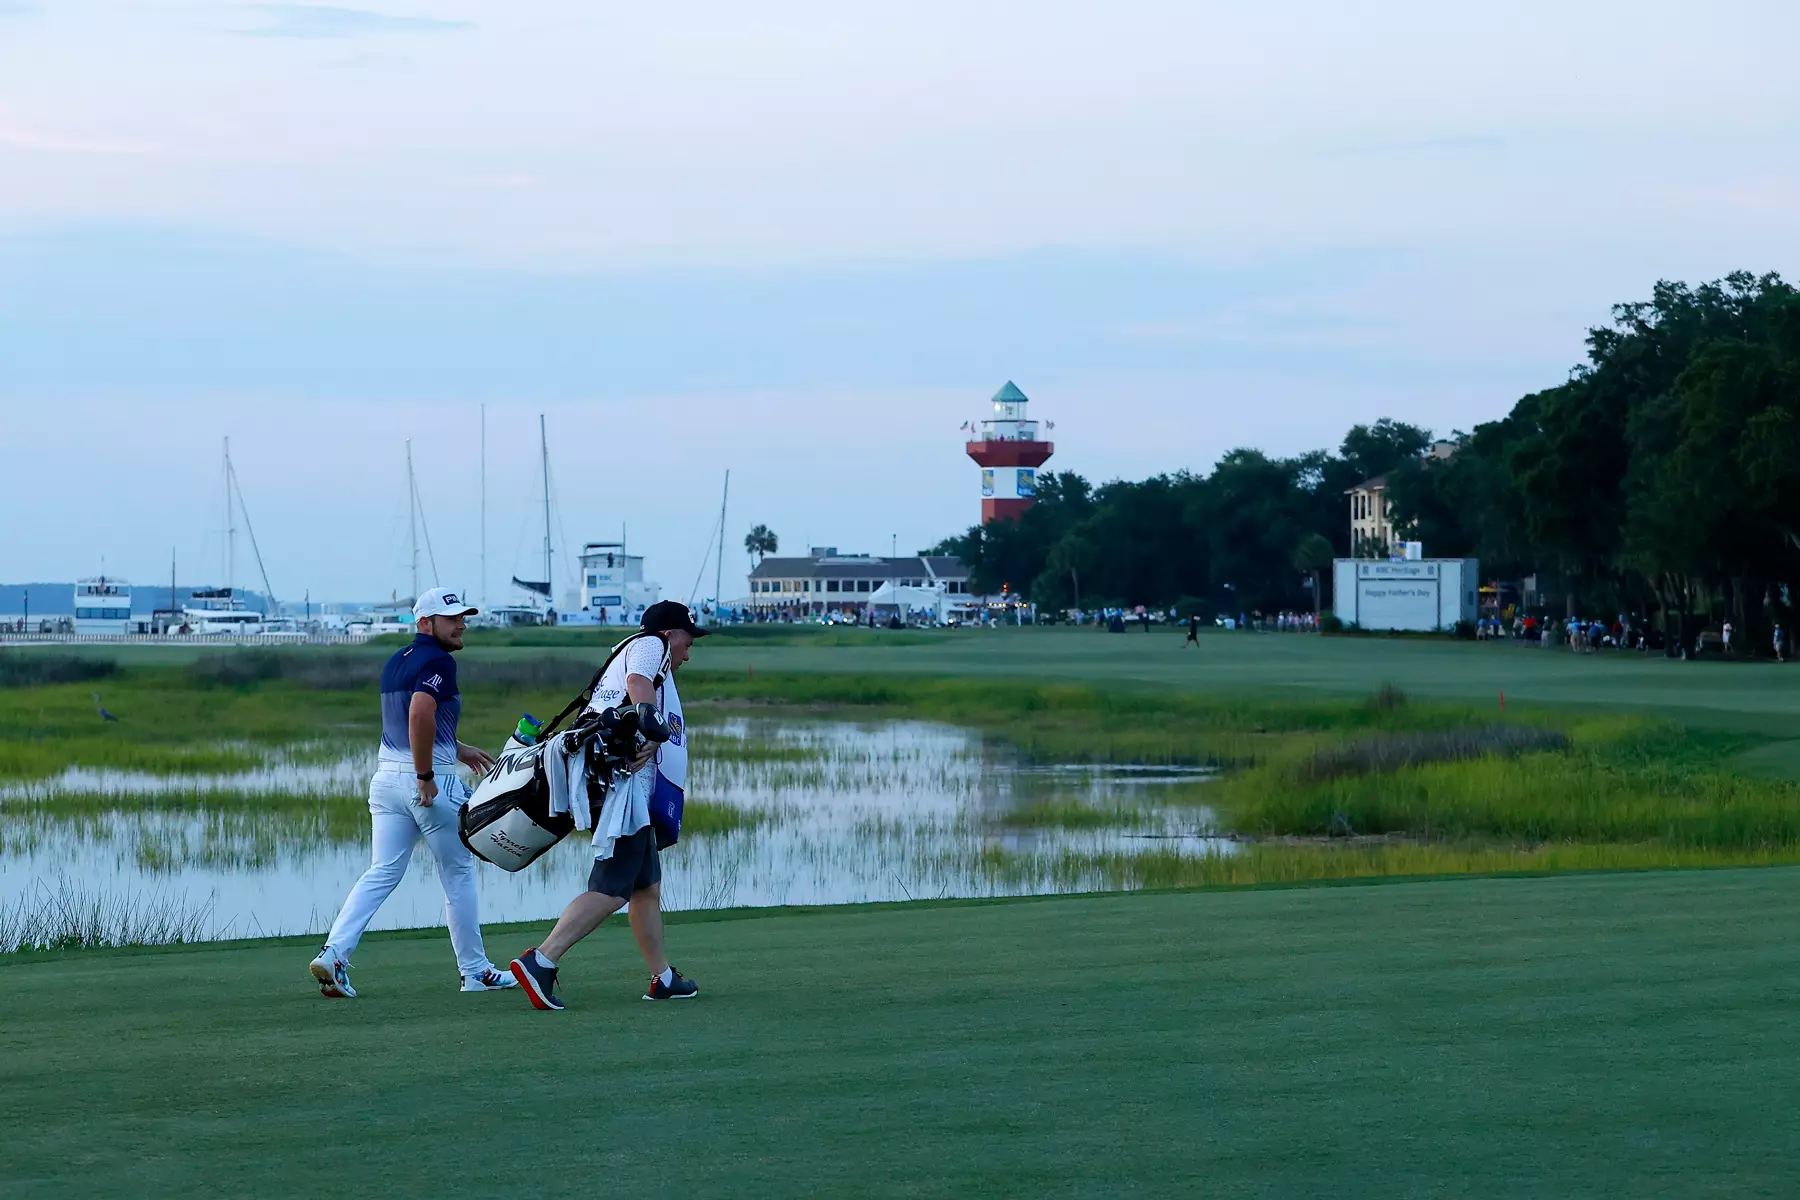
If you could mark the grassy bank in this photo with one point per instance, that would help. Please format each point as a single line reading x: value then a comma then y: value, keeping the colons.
x: 212, y: 716
x: 1577, y: 1036
x: 1447, y: 786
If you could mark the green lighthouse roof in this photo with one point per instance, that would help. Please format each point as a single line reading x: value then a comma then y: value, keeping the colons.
x: 1010, y: 394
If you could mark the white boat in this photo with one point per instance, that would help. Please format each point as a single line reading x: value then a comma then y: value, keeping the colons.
x: 386, y: 618
x: 278, y: 629
x: 216, y: 611
x: 102, y: 606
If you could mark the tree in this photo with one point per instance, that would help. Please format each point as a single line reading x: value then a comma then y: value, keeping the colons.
x: 761, y: 541
x: 1013, y: 554
x: 1663, y: 476
x: 1312, y: 556
x: 1371, y: 450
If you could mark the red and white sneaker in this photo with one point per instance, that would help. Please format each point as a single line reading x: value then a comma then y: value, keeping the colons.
x: 333, y: 974
x: 490, y: 980
x: 537, y: 981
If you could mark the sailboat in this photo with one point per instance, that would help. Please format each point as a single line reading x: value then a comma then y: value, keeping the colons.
x: 534, y: 602
x: 395, y: 615
x: 220, y: 610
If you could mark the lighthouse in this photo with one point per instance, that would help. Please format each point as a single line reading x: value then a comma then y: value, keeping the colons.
x: 1008, y: 449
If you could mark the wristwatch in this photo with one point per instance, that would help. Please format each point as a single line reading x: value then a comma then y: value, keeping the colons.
x: 427, y: 775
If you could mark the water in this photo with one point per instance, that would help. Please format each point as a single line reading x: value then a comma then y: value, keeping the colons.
x: 836, y: 812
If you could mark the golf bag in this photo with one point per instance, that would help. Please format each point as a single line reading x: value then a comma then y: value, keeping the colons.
x: 508, y: 822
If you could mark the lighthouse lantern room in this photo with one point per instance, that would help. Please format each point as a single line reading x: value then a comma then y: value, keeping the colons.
x: 1009, y: 452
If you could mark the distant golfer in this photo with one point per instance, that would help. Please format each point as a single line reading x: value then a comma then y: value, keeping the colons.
x: 1193, y: 637
x: 415, y: 792
x: 626, y: 864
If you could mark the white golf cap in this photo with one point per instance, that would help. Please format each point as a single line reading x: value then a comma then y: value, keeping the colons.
x: 442, y: 602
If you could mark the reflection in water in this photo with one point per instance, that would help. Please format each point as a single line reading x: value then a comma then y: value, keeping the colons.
x: 839, y: 813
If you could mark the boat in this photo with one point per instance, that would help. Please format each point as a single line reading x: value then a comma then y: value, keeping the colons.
x: 283, y: 629
x: 103, y: 606
x: 531, y: 606
x: 394, y: 617
x: 216, y: 611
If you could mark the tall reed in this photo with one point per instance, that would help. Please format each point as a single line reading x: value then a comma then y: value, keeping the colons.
x: 61, y: 915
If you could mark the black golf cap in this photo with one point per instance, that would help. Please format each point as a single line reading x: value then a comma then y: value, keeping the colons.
x: 666, y: 615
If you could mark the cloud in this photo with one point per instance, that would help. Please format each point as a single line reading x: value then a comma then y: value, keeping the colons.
x: 321, y: 21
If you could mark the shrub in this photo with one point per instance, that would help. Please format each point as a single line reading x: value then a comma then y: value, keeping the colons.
x: 235, y: 668
x: 1387, y: 698
x: 32, y: 669
x: 329, y: 672
x: 1330, y: 623
x: 1363, y: 756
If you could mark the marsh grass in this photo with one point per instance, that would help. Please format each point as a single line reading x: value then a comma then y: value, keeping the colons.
x: 62, y: 915
x: 1072, y: 814
x: 34, y: 668
x: 1279, y: 864
x: 1370, y: 755
x: 704, y: 818
x: 1621, y: 780
x: 1076, y: 724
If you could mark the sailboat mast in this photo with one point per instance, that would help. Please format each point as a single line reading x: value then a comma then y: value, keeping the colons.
x: 544, y: 453
x: 719, y: 571
x: 230, y: 547
x: 412, y: 516
x: 484, y: 573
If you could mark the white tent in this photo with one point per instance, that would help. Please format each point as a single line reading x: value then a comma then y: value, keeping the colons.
x: 909, y: 599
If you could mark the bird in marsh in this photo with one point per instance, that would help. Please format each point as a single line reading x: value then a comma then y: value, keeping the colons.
x: 101, y: 709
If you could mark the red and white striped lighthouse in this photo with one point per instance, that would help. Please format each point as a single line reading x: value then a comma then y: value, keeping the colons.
x: 1010, y: 453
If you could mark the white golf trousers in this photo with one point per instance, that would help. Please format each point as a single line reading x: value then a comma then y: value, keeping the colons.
x: 399, y: 822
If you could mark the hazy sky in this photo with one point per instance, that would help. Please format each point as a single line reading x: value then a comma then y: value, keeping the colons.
x: 805, y: 241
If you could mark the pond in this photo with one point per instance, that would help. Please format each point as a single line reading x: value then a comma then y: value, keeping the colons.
x: 782, y: 812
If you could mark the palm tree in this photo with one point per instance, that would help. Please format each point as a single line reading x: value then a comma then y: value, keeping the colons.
x: 759, y: 541
x: 1313, y: 555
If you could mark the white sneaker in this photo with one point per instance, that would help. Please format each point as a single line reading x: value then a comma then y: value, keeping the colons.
x: 333, y: 974
x: 490, y: 980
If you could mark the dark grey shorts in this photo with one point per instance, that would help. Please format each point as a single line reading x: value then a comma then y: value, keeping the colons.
x: 634, y: 866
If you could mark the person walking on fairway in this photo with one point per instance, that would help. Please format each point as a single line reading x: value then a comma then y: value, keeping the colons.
x: 415, y: 793
x: 1193, y: 637
x: 627, y: 867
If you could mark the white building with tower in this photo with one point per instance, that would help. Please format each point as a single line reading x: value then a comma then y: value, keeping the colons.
x: 613, y: 588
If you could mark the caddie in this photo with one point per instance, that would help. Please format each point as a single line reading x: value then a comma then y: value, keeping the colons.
x: 627, y: 866
x: 416, y: 793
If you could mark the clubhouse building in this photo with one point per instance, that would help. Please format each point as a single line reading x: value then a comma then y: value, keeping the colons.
x: 825, y: 581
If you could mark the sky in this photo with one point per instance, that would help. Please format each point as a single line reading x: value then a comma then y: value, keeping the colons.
x: 804, y: 242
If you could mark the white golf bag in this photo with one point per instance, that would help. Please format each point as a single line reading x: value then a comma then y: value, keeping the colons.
x: 508, y: 820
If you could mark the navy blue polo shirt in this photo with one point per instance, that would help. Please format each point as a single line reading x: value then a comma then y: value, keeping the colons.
x: 425, y: 667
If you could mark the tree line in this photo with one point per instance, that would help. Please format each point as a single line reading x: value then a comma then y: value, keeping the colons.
x: 1661, y: 480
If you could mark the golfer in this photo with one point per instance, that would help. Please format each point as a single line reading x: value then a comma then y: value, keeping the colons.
x: 414, y: 793
x: 627, y: 867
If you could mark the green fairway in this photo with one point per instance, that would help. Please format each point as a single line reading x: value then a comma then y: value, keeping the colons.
x: 1621, y: 1035
x: 1745, y: 696
x: 1759, y: 697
